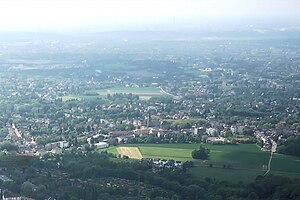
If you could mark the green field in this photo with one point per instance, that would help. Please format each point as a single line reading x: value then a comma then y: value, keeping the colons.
x: 79, y: 97
x: 143, y: 92
x: 245, y: 160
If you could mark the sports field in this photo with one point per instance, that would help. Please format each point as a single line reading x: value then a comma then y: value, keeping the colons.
x: 142, y: 92
x: 131, y: 152
x: 245, y: 160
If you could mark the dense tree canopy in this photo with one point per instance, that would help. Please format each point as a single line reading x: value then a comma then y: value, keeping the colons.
x: 8, y: 146
x: 291, y: 146
x: 201, y: 153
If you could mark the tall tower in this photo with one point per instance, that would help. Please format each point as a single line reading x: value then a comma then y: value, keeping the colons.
x: 148, y: 119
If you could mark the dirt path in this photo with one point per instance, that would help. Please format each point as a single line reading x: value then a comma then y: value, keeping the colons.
x: 273, y: 150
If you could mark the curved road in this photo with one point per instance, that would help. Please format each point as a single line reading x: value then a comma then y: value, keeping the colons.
x: 167, y: 93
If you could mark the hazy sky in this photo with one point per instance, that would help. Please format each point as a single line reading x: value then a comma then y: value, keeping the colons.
x: 95, y: 15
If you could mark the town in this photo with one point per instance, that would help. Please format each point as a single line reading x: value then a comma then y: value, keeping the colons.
x: 68, y: 104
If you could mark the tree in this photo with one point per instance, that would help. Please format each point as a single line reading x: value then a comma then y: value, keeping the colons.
x: 188, y: 164
x: 8, y: 146
x: 3, y: 132
x: 40, y: 192
x: 291, y: 146
x: 201, y: 153
x: 27, y: 189
x: 88, y: 128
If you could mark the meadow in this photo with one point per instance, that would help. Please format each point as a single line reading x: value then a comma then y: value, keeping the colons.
x: 79, y: 97
x: 245, y: 161
x: 143, y: 92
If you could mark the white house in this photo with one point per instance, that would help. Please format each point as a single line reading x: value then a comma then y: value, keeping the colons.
x: 212, y: 131
x: 59, y: 144
x: 101, y: 145
x: 213, y: 140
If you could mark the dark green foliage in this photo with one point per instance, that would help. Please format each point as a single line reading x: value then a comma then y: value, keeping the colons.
x: 11, y: 161
x: 291, y: 146
x: 96, y: 176
x: 201, y: 153
x: 273, y: 187
x: 8, y: 146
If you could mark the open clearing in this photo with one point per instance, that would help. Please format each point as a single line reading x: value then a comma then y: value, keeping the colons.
x: 131, y: 152
x: 142, y: 92
x: 79, y: 97
x: 246, y: 160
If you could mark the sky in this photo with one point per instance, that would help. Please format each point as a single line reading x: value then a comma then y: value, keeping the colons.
x: 107, y: 15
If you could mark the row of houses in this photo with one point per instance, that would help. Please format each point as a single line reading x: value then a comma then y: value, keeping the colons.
x: 266, y: 140
x: 158, y: 132
x: 163, y: 163
x: 235, y: 129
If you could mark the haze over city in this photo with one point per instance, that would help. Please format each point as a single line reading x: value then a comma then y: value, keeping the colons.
x: 116, y: 15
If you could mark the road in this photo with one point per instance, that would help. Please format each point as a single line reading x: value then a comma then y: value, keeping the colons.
x: 273, y: 150
x: 167, y: 93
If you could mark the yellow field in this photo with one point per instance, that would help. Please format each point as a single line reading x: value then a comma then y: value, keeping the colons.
x: 131, y: 152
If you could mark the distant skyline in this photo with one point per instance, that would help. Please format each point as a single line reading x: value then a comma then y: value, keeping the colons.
x: 118, y: 15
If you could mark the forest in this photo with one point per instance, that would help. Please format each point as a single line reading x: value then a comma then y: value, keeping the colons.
x: 99, y: 176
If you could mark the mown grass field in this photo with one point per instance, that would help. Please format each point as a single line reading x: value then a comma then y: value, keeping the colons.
x: 143, y: 92
x: 246, y: 160
x: 80, y: 97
